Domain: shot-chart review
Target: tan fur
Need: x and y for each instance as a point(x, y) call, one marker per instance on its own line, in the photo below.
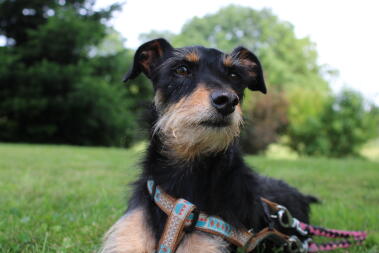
point(228, 61)
point(129, 234)
point(183, 135)
point(148, 57)
point(240, 59)
point(243, 58)
point(243, 54)
point(158, 48)
point(193, 56)
point(151, 53)
point(199, 242)
point(250, 65)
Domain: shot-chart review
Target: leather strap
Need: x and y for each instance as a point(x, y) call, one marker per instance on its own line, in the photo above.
point(173, 231)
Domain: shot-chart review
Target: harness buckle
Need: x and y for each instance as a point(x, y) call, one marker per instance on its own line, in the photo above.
point(297, 226)
point(288, 221)
point(296, 246)
point(195, 218)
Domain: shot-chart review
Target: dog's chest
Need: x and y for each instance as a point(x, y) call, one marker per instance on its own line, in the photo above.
point(132, 234)
point(197, 242)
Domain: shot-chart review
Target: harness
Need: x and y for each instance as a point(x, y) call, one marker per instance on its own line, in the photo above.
point(184, 217)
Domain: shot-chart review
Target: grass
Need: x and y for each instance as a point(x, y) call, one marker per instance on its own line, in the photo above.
point(63, 198)
point(371, 150)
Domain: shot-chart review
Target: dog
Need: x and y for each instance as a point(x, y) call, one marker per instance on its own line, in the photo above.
point(193, 152)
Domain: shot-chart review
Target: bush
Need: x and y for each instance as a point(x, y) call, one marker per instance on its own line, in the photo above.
point(58, 85)
point(265, 119)
point(339, 128)
point(64, 105)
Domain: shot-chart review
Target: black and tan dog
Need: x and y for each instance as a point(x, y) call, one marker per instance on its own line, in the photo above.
point(193, 152)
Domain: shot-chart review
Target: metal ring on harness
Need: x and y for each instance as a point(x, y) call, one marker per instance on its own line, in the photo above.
point(285, 218)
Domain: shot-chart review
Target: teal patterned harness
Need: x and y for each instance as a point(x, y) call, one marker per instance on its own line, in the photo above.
point(184, 217)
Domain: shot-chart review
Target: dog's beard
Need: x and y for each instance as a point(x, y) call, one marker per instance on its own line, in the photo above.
point(185, 136)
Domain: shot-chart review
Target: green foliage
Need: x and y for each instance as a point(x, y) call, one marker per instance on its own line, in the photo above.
point(62, 66)
point(338, 127)
point(289, 64)
point(68, 46)
point(288, 61)
point(19, 18)
point(264, 121)
point(319, 124)
point(59, 84)
point(63, 199)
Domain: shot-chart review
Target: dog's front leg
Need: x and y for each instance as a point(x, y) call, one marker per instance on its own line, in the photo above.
point(129, 234)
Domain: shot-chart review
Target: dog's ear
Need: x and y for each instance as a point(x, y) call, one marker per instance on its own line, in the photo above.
point(147, 57)
point(254, 68)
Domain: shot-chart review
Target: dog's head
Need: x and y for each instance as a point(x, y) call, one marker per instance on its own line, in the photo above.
point(198, 92)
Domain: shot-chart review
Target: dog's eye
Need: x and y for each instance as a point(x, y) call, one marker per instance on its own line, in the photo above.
point(234, 75)
point(182, 70)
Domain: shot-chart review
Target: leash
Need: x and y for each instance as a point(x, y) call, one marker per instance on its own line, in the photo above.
point(286, 220)
point(184, 217)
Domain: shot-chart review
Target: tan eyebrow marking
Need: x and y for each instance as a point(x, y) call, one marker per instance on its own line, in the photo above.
point(193, 56)
point(228, 61)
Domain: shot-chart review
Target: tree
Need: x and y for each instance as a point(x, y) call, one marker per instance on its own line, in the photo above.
point(337, 128)
point(289, 63)
point(287, 60)
point(55, 85)
point(265, 121)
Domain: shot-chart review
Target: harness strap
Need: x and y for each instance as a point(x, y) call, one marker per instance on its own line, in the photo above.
point(173, 231)
point(264, 234)
point(182, 214)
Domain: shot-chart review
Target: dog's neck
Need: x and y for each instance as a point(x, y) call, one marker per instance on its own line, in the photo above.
point(200, 180)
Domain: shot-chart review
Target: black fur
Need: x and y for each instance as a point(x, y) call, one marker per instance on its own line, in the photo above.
point(218, 184)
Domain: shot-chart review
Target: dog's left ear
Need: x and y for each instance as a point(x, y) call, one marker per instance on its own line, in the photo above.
point(147, 57)
point(253, 67)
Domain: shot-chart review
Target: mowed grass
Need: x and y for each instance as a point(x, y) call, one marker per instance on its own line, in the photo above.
point(63, 198)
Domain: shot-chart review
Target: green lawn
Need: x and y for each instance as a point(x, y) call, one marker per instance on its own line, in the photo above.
point(63, 198)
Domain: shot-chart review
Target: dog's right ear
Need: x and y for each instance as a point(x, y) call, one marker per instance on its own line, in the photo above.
point(253, 66)
point(147, 57)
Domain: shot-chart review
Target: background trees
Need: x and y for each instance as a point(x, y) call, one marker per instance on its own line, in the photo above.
point(289, 61)
point(301, 106)
point(62, 67)
point(59, 84)
point(338, 128)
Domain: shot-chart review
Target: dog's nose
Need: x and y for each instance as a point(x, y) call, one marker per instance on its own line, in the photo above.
point(225, 102)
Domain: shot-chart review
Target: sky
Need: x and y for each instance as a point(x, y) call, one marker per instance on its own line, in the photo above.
point(346, 33)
